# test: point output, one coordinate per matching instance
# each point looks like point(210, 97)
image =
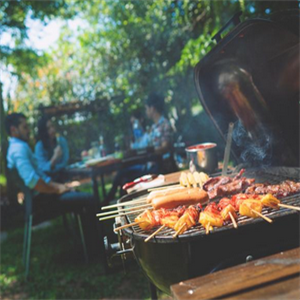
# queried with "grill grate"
point(270, 175)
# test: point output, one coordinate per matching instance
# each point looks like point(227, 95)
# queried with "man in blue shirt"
point(21, 158)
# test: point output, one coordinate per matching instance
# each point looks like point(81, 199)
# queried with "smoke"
point(255, 148)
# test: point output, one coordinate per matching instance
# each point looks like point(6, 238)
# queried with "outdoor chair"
point(33, 214)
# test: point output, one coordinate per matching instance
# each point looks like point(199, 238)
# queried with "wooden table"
point(106, 167)
point(273, 277)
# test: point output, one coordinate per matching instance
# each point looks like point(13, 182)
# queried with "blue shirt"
point(20, 157)
point(43, 156)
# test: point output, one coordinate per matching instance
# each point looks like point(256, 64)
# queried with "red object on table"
point(144, 178)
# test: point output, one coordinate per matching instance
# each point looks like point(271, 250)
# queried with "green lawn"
point(57, 270)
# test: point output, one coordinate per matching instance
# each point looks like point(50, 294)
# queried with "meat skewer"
point(228, 211)
point(283, 189)
point(211, 217)
point(187, 220)
point(155, 233)
point(127, 225)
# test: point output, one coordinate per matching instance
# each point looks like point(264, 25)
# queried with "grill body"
point(166, 260)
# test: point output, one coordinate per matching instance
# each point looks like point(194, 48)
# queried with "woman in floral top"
point(160, 137)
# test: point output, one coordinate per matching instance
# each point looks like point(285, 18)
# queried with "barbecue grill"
point(166, 260)
point(250, 78)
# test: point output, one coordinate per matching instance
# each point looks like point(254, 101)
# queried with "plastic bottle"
point(101, 147)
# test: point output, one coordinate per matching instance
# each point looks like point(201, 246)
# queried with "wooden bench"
point(273, 277)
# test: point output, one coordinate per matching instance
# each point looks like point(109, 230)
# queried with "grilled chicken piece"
point(225, 213)
point(211, 216)
point(170, 221)
point(149, 221)
point(187, 220)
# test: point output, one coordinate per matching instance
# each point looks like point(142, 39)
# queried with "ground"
point(58, 271)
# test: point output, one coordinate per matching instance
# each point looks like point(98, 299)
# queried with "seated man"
point(160, 137)
point(21, 158)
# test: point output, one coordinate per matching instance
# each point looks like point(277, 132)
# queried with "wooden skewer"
point(173, 186)
point(128, 225)
point(122, 210)
point(132, 202)
point(289, 206)
point(262, 216)
point(178, 231)
point(233, 220)
point(122, 214)
point(154, 233)
point(207, 228)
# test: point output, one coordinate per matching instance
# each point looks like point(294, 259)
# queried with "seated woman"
point(51, 150)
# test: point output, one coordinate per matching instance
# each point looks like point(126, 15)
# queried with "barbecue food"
point(283, 189)
point(270, 201)
point(249, 207)
point(225, 185)
point(164, 193)
point(187, 220)
point(211, 216)
point(188, 196)
point(193, 179)
point(149, 219)
point(226, 211)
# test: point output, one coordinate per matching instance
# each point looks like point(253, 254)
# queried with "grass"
point(57, 270)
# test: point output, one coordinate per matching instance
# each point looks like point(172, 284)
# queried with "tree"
point(16, 58)
point(125, 49)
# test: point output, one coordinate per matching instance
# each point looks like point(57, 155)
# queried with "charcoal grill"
point(166, 260)
point(250, 78)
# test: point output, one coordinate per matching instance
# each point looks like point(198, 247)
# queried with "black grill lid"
point(251, 78)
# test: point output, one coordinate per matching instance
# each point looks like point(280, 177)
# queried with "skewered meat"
point(149, 221)
point(158, 217)
point(211, 216)
point(226, 211)
point(225, 185)
point(187, 220)
point(283, 189)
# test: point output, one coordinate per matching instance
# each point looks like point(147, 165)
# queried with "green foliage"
point(121, 51)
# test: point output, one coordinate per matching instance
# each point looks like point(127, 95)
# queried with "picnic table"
point(104, 166)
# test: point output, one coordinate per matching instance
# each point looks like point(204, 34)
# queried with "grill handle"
point(124, 251)
point(235, 20)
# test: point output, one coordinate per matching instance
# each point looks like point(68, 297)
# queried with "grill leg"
point(153, 291)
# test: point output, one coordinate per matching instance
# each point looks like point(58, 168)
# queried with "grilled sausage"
point(163, 193)
point(187, 196)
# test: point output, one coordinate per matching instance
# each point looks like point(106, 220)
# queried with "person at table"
point(160, 137)
point(140, 136)
point(51, 150)
point(21, 158)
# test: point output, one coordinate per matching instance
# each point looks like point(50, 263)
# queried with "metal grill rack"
point(270, 175)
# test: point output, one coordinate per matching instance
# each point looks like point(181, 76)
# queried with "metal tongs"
point(145, 178)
